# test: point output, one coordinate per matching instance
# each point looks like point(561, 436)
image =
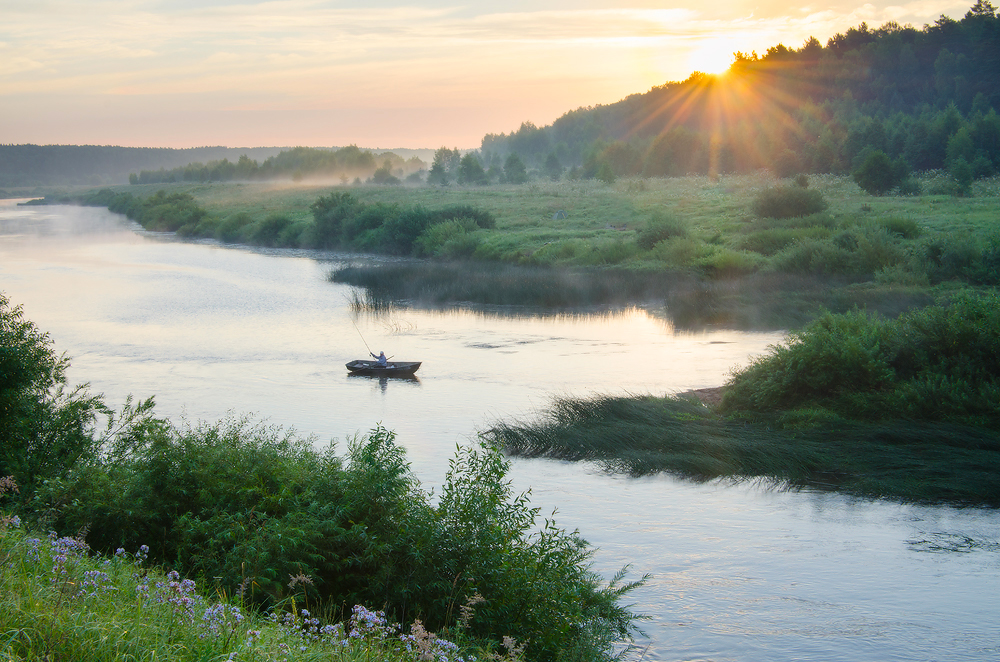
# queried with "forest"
point(895, 99)
point(926, 98)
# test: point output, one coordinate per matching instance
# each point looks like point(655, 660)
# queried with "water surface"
point(740, 572)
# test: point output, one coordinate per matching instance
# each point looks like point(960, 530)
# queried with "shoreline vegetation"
point(698, 247)
point(266, 522)
point(905, 408)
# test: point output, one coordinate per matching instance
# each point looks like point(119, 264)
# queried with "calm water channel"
point(740, 572)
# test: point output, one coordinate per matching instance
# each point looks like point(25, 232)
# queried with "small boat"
point(391, 369)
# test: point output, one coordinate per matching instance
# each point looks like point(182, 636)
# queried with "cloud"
point(316, 54)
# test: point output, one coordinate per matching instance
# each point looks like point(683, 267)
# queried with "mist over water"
point(741, 572)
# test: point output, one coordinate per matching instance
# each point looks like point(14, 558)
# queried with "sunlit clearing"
point(712, 56)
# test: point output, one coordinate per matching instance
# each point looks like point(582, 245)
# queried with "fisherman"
point(382, 361)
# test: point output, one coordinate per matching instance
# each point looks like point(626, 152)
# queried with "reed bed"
point(641, 435)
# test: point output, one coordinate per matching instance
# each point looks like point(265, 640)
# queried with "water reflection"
point(383, 382)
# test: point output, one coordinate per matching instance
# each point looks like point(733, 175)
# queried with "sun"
point(711, 56)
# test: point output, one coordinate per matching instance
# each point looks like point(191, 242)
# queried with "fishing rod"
point(362, 338)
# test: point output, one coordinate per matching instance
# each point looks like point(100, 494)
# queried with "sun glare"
point(711, 57)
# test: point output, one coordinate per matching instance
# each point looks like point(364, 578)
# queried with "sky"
point(379, 74)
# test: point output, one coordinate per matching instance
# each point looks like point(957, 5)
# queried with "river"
point(740, 572)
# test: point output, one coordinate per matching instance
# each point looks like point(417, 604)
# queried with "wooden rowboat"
point(391, 369)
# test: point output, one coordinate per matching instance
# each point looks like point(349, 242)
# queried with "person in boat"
point(382, 361)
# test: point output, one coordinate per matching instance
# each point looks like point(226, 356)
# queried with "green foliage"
point(606, 173)
point(514, 170)
point(269, 232)
point(341, 221)
point(906, 228)
point(788, 202)
point(660, 227)
point(59, 601)
point(975, 260)
point(451, 239)
point(878, 174)
point(252, 506)
point(470, 171)
point(961, 173)
point(641, 435)
point(936, 364)
point(44, 425)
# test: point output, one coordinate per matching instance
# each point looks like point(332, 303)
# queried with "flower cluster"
point(220, 621)
point(94, 582)
point(427, 646)
point(366, 623)
point(33, 552)
point(65, 550)
point(307, 628)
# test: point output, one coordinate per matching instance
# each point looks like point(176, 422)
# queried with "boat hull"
point(392, 369)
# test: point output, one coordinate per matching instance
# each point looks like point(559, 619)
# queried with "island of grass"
point(905, 408)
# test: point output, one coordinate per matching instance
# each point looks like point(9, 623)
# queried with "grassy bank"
point(906, 408)
point(60, 601)
point(748, 250)
point(251, 510)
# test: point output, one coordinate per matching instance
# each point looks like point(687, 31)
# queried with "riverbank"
point(706, 243)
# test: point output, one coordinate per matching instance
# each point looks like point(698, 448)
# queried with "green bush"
point(878, 174)
point(906, 228)
point(454, 238)
point(268, 232)
point(44, 424)
point(941, 363)
point(660, 227)
point(233, 229)
point(788, 202)
point(251, 506)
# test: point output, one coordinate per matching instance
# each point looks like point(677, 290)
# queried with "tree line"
point(98, 165)
point(927, 96)
point(346, 164)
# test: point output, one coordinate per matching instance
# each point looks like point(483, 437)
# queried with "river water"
point(740, 572)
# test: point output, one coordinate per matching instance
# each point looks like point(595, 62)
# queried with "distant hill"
point(925, 96)
point(96, 165)
point(99, 165)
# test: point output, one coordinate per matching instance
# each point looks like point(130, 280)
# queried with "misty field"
point(741, 250)
point(531, 228)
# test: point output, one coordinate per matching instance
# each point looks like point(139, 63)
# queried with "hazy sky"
point(382, 73)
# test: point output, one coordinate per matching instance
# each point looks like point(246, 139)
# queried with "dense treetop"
point(927, 95)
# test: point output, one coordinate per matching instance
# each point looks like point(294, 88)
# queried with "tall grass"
point(640, 435)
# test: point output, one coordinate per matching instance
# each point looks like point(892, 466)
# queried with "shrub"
point(659, 227)
point(879, 174)
point(268, 232)
point(726, 263)
point(961, 174)
point(939, 364)
point(44, 424)
point(453, 233)
point(769, 241)
point(252, 505)
point(232, 229)
point(788, 202)
point(906, 228)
